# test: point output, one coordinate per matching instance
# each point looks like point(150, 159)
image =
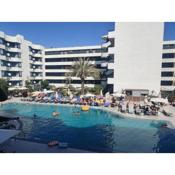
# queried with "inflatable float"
point(53, 143)
point(85, 108)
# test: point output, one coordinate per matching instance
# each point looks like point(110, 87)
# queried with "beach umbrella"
point(89, 95)
point(36, 93)
point(159, 100)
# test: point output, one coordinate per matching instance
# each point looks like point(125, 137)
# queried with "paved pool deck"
point(22, 146)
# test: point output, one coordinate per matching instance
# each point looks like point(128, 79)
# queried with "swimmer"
point(55, 114)
point(76, 113)
point(34, 115)
point(164, 125)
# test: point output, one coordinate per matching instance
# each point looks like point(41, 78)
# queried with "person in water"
point(55, 114)
point(76, 113)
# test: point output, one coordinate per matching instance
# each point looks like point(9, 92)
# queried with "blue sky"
point(65, 34)
point(60, 34)
point(169, 31)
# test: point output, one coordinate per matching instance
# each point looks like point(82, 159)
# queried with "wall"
point(138, 55)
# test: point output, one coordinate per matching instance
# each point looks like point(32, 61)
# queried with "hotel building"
point(168, 68)
point(20, 60)
point(130, 58)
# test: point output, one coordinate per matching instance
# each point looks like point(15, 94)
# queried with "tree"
point(28, 85)
point(44, 84)
point(3, 90)
point(82, 69)
point(96, 89)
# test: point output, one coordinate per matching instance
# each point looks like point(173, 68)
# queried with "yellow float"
point(85, 108)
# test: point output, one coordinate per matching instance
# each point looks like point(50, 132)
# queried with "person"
point(76, 111)
point(55, 114)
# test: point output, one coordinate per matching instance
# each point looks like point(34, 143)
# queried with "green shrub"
point(3, 90)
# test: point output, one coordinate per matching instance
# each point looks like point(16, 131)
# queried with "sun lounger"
point(166, 113)
point(138, 111)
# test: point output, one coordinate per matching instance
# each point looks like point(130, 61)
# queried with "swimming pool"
point(95, 130)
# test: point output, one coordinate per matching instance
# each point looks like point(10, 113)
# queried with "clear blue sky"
point(65, 34)
point(61, 34)
point(169, 31)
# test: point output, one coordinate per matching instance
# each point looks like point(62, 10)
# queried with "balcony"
point(15, 78)
point(105, 45)
point(11, 49)
point(2, 46)
point(104, 55)
point(14, 59)
point(13, 68)
point(38, 55)
point(36, 70)
point(36, 62)
point(36, 78)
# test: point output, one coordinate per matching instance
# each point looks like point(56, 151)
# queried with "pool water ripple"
point(95, 130)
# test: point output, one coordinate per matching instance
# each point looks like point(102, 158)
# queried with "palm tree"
point(83, 68)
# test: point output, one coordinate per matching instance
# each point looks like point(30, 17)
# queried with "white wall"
point(138, 55)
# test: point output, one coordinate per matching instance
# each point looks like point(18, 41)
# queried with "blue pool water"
point(95, 130)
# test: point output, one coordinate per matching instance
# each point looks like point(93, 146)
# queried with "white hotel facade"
point(131, 58)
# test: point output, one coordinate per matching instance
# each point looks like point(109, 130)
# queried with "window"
point(168, 55)
point(1, 52)
point(76, 81)
point(1, 41)
point(110, 73)
point(167, 65)
point(167, 74)
point(169, 46)
point(55, 73)
point(73, 51)
point(58, 67)
point(73, 59)
point(166, 83)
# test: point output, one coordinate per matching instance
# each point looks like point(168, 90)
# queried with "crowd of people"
point(120, 103)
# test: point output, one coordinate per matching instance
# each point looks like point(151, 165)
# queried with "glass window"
point(164, 65)
point(166, 83)
point(169, 46)
point(167, 74)
point(168, 55)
